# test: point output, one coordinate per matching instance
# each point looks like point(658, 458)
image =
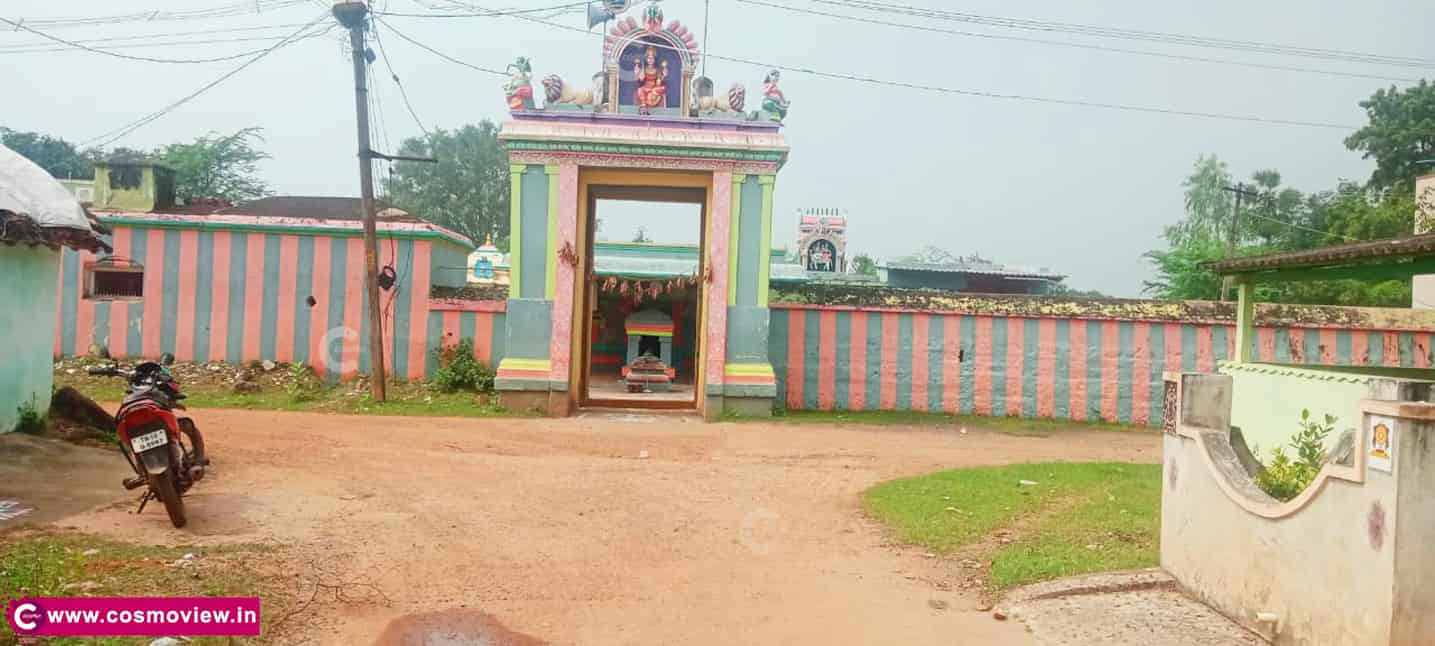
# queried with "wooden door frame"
point(584, 291)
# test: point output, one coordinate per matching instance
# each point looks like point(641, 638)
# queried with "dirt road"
point(561, 529)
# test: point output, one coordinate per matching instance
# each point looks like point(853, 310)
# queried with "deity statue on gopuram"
point(650, 69)
point(652, 76)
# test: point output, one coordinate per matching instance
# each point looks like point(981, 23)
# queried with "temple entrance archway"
point(642, 303)
point(643, 127)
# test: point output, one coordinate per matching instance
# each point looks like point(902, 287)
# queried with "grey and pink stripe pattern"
point(833, 358)
point(239, 296)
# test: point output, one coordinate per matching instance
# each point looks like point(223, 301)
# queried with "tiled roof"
point(1420, 245)
point(639, 267)
point(982, 269)
point(321, 208)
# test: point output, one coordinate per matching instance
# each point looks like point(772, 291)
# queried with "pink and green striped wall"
point(288, 294)
point(848, 358)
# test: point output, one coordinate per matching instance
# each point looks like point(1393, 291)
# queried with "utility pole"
point(1233, 231)
point(352, 16)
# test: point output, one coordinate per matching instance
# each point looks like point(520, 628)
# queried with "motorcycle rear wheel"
point(163, 487)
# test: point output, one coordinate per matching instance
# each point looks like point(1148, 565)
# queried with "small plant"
point(459, 370)
point(303, 384)
point(1285, 477)
point(31, 421)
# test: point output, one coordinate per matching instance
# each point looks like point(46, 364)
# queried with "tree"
point(641, 235)
point(466, 191)
point(864, 264)
point(1062, 289)
point(214, 166)
point(1400, 134)
point(1278, 218)
point(1208, 204)
point(57, 156)
point(1178, 272)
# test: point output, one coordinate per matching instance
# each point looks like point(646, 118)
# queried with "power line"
point(1303, 227)
point(562, 8)
point(439, 53)
point(937, 88)
point(1133, 34)
point(223, 11)
point(402, 92)
point(147, 59)
point(118, 133)
point(1060, 43)
point(379, 125)
point(110, 39)
point(42, 49)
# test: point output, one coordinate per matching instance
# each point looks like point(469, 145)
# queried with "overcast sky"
point(1082, 191)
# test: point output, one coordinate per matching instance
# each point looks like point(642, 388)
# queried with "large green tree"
point(57, 156)
point(217, 166)
point(864, 264)
point(466, 191)
point(1208, 204)
point(1272, 218)
point(1399, 135)
point(1178, 272)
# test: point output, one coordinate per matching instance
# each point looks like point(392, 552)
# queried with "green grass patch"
point(410, 399)
point(73, 564)
point(1078, 518)
point(942, 420)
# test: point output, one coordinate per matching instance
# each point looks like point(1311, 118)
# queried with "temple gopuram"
point(585, 328)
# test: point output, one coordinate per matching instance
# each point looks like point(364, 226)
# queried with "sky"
point(1080, 190)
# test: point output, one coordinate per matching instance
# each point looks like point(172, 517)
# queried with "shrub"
point(303, 384)
point(459, 370)
point(1285, 477)
point(31, 420)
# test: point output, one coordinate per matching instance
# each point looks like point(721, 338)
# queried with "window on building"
point(110, 279)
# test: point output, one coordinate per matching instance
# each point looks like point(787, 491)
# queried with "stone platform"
point(1142, 608)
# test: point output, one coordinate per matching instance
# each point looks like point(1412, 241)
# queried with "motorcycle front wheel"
point(163, 487)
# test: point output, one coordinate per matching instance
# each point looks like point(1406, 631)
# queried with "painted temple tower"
point(645, 125)
point(822, 240)
point(486, 266)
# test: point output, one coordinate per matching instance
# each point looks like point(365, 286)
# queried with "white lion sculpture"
point(556, 91)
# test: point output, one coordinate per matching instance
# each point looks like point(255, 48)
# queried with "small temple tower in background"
point(822, 239)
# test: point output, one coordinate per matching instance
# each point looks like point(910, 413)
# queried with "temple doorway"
point(643, 293)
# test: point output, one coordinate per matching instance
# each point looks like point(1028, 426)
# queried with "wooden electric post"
point(1233, 232)
point(352, 16)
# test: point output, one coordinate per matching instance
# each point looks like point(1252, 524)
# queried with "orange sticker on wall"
point(1380, 444)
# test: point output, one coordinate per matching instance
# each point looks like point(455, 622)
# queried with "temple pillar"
point(749, 386)
point(524, 378)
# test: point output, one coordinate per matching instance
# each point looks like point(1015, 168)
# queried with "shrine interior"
point(645, 295)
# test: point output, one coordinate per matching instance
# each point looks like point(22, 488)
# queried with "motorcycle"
point(166, 452)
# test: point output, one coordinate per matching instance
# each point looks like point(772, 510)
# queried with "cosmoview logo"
point(135, 616)
point(25, 616)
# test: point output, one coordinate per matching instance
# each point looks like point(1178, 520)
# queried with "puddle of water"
point(452, 628)
point(12, 509)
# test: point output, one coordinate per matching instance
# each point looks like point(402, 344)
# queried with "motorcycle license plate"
point(149, 440)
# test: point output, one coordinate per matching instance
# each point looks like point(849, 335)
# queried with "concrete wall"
point(449, 266)
point(244, 294)
point(1345, 563)
point(28, 292)
point(482, 323)
point(1422, 288)
point(1069, 366)
point(1267, 401)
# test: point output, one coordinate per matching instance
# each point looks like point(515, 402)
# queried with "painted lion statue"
point(705, 101)
point(556, 91)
